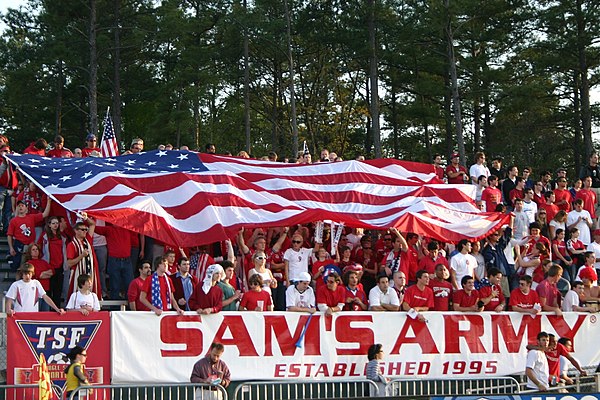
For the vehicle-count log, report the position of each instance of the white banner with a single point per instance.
(265, 346)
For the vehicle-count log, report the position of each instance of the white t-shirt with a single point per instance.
(463, 265)
(377, 297)
(297, 261)
(530, 209)
(537, 361)
(266, 277)
(477, 170)
(558, 225)
(595, 248)
(26, 295)
(79, 300)
(584, 230)
(571, 299)
(293, 298)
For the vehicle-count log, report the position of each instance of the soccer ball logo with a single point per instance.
(58, 358)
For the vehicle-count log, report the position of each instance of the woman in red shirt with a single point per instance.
(53, 245)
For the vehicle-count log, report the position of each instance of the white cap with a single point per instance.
(304, 277)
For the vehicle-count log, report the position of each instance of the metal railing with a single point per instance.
(179, 391)
(25, 392)
(453, 387)
(282, 390)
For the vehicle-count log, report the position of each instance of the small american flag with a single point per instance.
(108, 145)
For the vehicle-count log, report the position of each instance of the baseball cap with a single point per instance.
(596, 232)
(454, 155)
(91, 136)
(304, 277)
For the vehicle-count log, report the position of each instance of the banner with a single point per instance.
(32, 334)
(149, 348)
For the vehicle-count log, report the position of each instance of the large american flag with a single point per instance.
(185, 198)
(108, 145)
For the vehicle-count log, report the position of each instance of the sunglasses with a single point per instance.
(84, 354)
(296, 241)
(83, 229)
(260, 258)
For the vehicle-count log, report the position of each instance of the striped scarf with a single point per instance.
(87, 266)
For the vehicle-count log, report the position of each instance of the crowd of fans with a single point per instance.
(550, 250)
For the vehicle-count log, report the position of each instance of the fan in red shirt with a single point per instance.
(38, 147)
(92, 145)
(419, 297)
(491, 195)
(442, 289)
(256, 299)
(523, 299)
(553, 353)
(331, 298)
(429, 262)
(457, 174)
(355, 297)
(492, 295)
(467, 299)
(59, 151)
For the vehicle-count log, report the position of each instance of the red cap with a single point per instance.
(589, 273)
(455, 155)
(596, 232)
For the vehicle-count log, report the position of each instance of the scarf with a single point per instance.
(214, 270)
(87, 265)
(155, 289)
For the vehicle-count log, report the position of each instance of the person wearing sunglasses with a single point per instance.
(92, 145)
(259, 260)
(296, 259)
(75, 371)
(81, 257)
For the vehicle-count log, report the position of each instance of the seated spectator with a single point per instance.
(576, 248)
(231, 296)
(300, 297)
(256, 299)
(419, 297)
(331, 297)
(575, 299)
(382, 297)
(356, 298)
(491, 295)
(207, 297)
(560, 254)
(59, 151)
(442, 289)
(523, 299)
(23, 295)
(184, 284)
(588, 269)
(84, 300)
(157, 293)
(467, 299)
(399, 285)
(136, 286)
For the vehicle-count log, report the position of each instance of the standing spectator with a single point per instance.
(575, 298)
(137, 146)
(516, 193)
(462, 264)
(207, 297)
(438, 166)
(592, 170)
(136, 286)
(81, 257)
(184, 284)
(551, 208)
(588, 196)
(157, 293)
(521, 219)
(478, 168)
(526, 177)
(24, 294)
(482, 183)
(530, 207)
(296, 259)
(548, 292)
(491, 195)
(21, 231)
(509, 184)
(38, 147)
(562, 195)
(44, 271)
(456, 173)
(210, 148)
(8, 183)
(84, 300)
(59, 151)
(54, 251)
(558, 222)
(120, 270)
(496, 168)
(92, 145)
(231, 296)
(494, 256)
(373, 370)
(582, 220)
(442, 289)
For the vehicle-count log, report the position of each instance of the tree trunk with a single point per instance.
(374, 78)
(393, 99)
(584, 97)
(292, 89)
(448, 116)
(117, 73)
(93, 88)
(454, 85)
(246, 85)
(59, 96)
(577, 153)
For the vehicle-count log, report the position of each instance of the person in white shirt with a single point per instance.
(536, 366)
(300, 297)
(84, 300)
(530, 207)
(24, 294)
(296, 259)
(594, 247)
(478, 168)
(574, 298)
(582, 220)
(382, 297)
(462, 264)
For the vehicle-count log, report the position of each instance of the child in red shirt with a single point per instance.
(256, 299)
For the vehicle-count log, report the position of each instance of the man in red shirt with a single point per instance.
(563, 195)
(588, 196)
(120, 271)
(550, 297)
(355, 298)
(59, 151)
(136, 286)
(491, 294)
(457, 174)
(38, 147)
(442, 289)
(553, 353)
(331, 297)
(419, 297)
(429, 263)
(549, 206)
(157, 293)
(92, 145)
(21, 231)
(523, 299)
(467, 299)
(491, 195)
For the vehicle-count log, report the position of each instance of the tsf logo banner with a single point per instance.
(32, 334)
